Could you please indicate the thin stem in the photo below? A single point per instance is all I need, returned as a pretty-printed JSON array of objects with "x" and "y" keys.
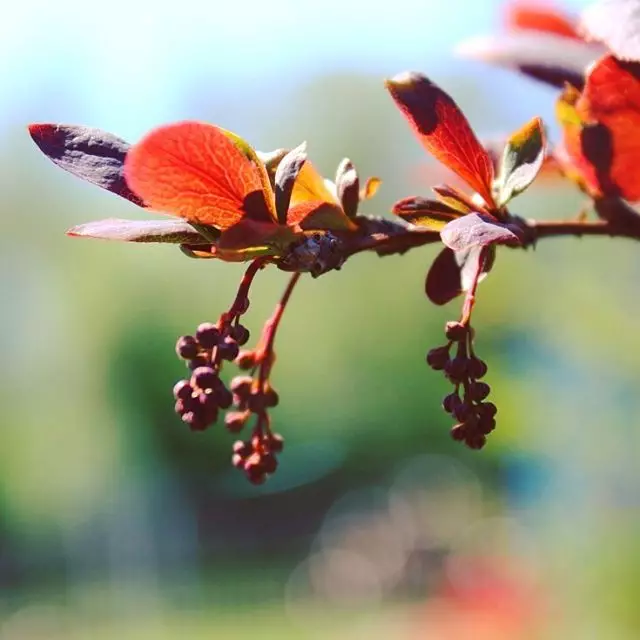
[
  {"x": 245, "y": 285},
  {"x": 270, "y": 330}
]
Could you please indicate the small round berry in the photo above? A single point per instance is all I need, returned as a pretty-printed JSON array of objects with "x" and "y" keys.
[
  {"x": 187, "y": 347},
  {"x": 246, "y": 360},
  {"x": 242, "y": 448},
  {"x": 182, "y": 390},
  {"x": 198, "y": 361},
  {"x": 476, "y": 368},
  {"x": 269, "y": 463},
  {"x": 237, "y": 461},
  {"x": 208, "y": 335},
  {"x": 241, "y": 386},
  {"x": 486, "y": 425},
  {"x": 456, "y": 369},
  {"x": 479, "y": 390},
  {"x": 235, "y": 420},
  {"x": 463, "y": 411},
  {"x": 204, "y": 378},
  {"x": 255, "y": 473},
  {"x": 228, "y": 349},
  {"x": 179, "y": 408},
  {"x": 256, "y": 402},
  {"x": 450, "y": 402},
  {"x": 438, "y": 358},
  {"x": 455, "y": 331},
  {"x": 195, "y": 421},
  {"x": 208, "y": 406},
  {"x": 475, "y": 441},
  {"x": 275, "y": 443},
  {"x": 487, "y": 409},
  {"x": 459, "y": 432},
  {"x": 224, "y": 397},
  {"x": 240, "y": 334},
  {"x": 271, "y": 397}
]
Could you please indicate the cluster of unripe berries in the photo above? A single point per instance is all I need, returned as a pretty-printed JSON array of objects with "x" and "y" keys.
[
  {"x": 475, "y": 418},
  {"x": 199, "y": 399}
]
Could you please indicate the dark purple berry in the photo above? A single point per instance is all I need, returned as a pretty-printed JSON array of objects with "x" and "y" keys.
[
  {"x": 269, "y": 463},
  {"x": 476, "y": 368},
  {"x": 195, "y": 420},
  {"x": 208, "y": 335},
  {"x": 487, "y": 409},
  {"x": 240, "y": 334},
  {"x": 276, "y": 443},
  {"x": 228, "y": 349},
  {"x": 450, "y": 402},
  {"x": 199, "y": 361},
  {"x": 459, "y": 432},
  {"x": 187, "y": 347},
  {"x": 462, "y": 411},
  {"x": 204, "y": 378},
  {"x": 479, "y": 390},
  {"x": 182, "y": 390},
  {"x": 208, "y": 407},
  {"x": 224, "y": 397},
  {"x": 438, "y": 358},
  {"x": 455, "y": 331},
  {"x": 475, "y": 441},
  {"x": 456, "y": 369}
]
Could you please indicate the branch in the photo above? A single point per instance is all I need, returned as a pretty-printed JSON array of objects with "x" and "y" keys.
[{"x": 555, "y": 229}]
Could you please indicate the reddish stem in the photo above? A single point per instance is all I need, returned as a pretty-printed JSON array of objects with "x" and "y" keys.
[
  {"x": 270, "y": 329},
  {"x": 245, "y": 285}
]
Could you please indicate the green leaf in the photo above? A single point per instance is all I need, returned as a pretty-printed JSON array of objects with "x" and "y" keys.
[{"x": 522, "y": 159}]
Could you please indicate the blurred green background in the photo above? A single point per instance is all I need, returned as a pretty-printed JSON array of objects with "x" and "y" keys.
[{"x": 116, "y": 522}]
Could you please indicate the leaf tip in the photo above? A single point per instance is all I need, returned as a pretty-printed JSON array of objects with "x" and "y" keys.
[
  {"x": 40, "y": 131},
  {"x": 404, "y": 81}
]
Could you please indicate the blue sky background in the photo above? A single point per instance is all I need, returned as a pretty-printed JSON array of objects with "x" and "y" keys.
[{"x": 126, "y": 65}]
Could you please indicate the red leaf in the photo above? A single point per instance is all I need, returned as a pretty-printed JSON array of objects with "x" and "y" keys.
[
  {"x": 195, "y": 171},
  {"x": 443, "y": 130},
  {"x": 320, "y": 215},
  {"x": 604, "y": 141},
  {"x": 475, "y": 230},
  {"x": 530, "y": 15}
]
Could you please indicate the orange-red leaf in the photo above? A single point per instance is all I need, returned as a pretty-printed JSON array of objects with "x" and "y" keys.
[
  {"x": 443, "y": 130},
  {"x": 195, "y": 171},
  {"x": 319, "y": 215},
  {"x": 602, "y": 133},
  {"x": 530, "y": 15}
]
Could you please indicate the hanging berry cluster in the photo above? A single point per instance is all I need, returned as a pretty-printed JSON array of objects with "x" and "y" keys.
[{"x": 233, "y": 203}]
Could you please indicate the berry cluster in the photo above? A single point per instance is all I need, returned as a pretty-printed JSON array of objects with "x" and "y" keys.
[
  {"x": 475, "y": 417},
  {"x": 199, "y": 399}
]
